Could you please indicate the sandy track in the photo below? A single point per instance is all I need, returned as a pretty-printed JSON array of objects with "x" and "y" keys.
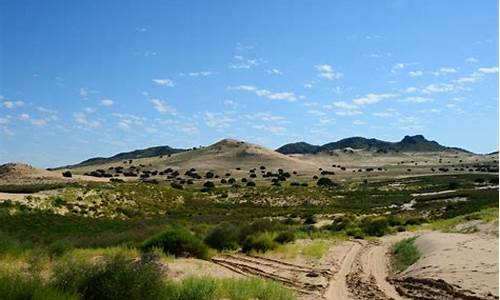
[{"x": 303, "y": 279}]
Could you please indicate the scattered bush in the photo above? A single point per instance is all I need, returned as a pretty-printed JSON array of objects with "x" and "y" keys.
[
  {"x": 285, "y": 237},
  {"x": 376, "y": 226},
  {"x": 177, "y": 241},
  {"x": 225, "y": 236},
  {"x": 67, "y": 174},
  {"x": 324, "y": 181},
  {"x": 260, "y": 243}
]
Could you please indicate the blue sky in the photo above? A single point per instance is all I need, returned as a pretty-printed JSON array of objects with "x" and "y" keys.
[{"x": 92, "y": 78}]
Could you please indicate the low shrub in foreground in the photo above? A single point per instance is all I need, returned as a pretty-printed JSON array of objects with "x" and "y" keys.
[
  {"x": 376, "y": 226},
  {"x": 205, "y": 288},
  {"x": 179, "y": 242},
  {"x": 116, "y": 277},
  {"x": 18, "y": 287},
  {"x": 405, "y": 253}
]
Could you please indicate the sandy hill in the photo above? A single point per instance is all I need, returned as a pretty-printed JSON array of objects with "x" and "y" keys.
[
  {"x": 17, "y": 173},
  {"x": 225, "y": 155}
]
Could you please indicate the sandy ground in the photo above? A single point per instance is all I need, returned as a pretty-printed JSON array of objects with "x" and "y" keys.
[
  {"x": 181, "y": 268},
  {"x": 469, "y": 261}
]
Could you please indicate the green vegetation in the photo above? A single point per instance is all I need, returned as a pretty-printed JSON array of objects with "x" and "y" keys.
[
  {"x": 16, "y": 286},
  {"x": 177, "y": 241},
  {"x": 405, "y": 253}
]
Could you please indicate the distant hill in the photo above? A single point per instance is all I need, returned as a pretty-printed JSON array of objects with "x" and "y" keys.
[
  {"x": 297, "y": 148},
  {"x": 416, "y": 143},
  {"x": 141, "y": 153}
]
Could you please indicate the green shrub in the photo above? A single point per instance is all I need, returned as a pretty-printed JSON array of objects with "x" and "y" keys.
[
  {"x": 117, "y": 277},
  {"x": 67, "y": 174},
  {"x": 260, "y": 243},
  {"x": 310, "y": 219},
  {"x": 17, "y": 287},
  {"x": 285, "y": 237},
  {"x": 177, "y": 241},
  {"x": 260, "y": 226},
  {"x": 203, "y": 288},
  {"x": 405, "y": 253},
  {"x": 339, "y": 223},
  {"x": 355, "y": 232},
  {"x": 224, "y": 236},
  {"x": 58, "y": 248},
  {"x": 324, "y": 181},
  {"x": 376, "y": 226}
]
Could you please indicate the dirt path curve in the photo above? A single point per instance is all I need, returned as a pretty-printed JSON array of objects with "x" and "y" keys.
[
  {"x": 337, "y": 289},
  {"x": 363, "y": 273}
]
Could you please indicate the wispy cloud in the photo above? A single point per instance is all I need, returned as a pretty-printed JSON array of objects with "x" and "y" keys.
[
  {"x": 471, "y": 60},
  {"x": 12, "y": 104},
  {"x": 326, "y": 71},
  {"x": 372, "y": 98},
  {"x": 417, "y": 99},
  {"x": 218, "y": 120},
  {"x": 83, "y": 122},
  {"x": 245, "y": 63},
  {"x": 274, "y": 72},
  {"x": 163, "y": 82},
  {"x": 162, "y": 107},
  {"x": 417, "y": 73},
  {"x": 288, "y": 96},
  {"x": 107, "y": 102}
]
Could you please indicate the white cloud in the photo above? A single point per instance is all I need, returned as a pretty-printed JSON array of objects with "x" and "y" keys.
[
  {"x": 218, "y": 120},
  {"x": 358, "y": 122},
  {"x": 417, "y": 99},
  {"x": 344, "y": 105},
  {"x": 163, "y": 82},
  {"x": 444, "y": 71},
  {"x": 416, "y": 73},
  {"x": 438, "y": 88},
  {"x": 266, "y": 117},
  {"x": 327, "y": 72},
  {"x": 471, "y": 60},
  {"x": 315, "y": 112},
  {"x": 201, "y": 74},
  {"x": 289, "y": 96},
  {"x": 372, "y": 98},
  {"x": 107, "y": 102},
  {"x": 490, "y": 70},
  {"x": 81, "y": 119},
  {"x": 85, "y": 92},
  {"x": 348, "y": 112},
  {"x": 274, "y": 72},
  {"x": 400, "y": 66},
  {"x": 162, "y": 107},
  {"x": 4, "y": 121},
  {"x": 410, "y": 89},
  {"x": 243, "y": 63},
  {"x": 383, "y": 114},
  {"x": 123, "y": 125},
  {"x": 12, "y": 104},
  {"x": 24, "y": 117},
  {"x": 141, "y": 29},
  {"x": 276, "y": 130},
  {"x": 46, "y": 110},
  {"x": 38, "y": 122}
]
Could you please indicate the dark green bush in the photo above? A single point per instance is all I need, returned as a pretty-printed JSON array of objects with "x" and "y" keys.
[
  {"x": 67, "y": 174},
  {"x": 179, "y": 242},
  {"x": 117, "y": 277},
  {"x": 324, "y": 181},
  {"x": 224, "y": 236},
  {"x": 310, "y": 219},
  {"x": 376, "y": 226},
  {"x": 260, "y": 243},
  {"x": 285, "y": 237},
  {"x": 58, "y": 248}
]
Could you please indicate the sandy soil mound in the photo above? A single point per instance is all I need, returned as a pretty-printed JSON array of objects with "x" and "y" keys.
[
  {"x": 19, "y": 170},
  {"x": 467, "y": 262}
]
